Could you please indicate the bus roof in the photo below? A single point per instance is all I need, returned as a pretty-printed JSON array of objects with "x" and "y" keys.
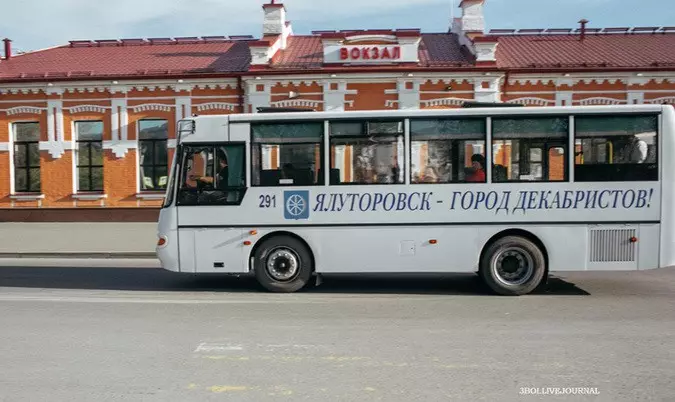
[{"x": 416, "y": 113}]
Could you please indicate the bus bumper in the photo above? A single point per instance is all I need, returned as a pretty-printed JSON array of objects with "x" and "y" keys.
[{"x": 167, "y": 251}]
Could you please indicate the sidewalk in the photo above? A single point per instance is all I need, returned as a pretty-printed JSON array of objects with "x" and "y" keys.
[{"x": 78, "y": 240}]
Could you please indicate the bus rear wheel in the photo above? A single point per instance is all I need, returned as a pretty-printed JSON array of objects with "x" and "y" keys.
[
  {"x": 283, "y": 264},
  {"x": 513, "y": 266}
]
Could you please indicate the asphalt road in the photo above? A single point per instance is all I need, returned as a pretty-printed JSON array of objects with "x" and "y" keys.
[{"x": 85, "y": 331}]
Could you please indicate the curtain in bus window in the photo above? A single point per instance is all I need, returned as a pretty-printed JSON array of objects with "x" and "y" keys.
[
  {"x": 235, "y": 161},
  {"x": 444, "y": 150}
]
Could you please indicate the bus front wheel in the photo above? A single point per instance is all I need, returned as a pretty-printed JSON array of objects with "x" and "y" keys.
[
  {"x": 513, "y": 266},
  {"x": 283, "y": 264}
]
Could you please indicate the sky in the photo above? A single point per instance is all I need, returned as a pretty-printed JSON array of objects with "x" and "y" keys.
[{"x": 38, "y": 24}]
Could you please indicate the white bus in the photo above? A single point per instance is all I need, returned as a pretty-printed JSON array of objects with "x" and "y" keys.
[{"x": 509, "y": 193}]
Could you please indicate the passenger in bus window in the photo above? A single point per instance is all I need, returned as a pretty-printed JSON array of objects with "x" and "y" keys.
[
  {"x": 639, "y": 150},
  {"x": 430, "y": 175},
  {"x": 222, "y": 175},
  {"x": 477, "y": 171}
]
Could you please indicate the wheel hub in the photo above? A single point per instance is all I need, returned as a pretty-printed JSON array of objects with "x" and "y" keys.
[
  {"x": 282, "y": 264},
  {"x": 513, "y": 266}
]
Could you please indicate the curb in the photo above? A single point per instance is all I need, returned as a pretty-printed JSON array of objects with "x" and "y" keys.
[{"x": 98, "y": 256}]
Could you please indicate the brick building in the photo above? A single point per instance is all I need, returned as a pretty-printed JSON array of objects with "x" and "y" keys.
[{"x": 90, "y": 126}]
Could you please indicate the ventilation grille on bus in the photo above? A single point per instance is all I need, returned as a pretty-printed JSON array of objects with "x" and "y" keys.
[{"x": 612, "y": 245}]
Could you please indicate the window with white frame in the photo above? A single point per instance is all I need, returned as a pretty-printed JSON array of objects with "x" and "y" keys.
[
  {"x": 26, "y": 157},
  {"x": 89, "y": 156},
  {"x": 153, "y": 157}
]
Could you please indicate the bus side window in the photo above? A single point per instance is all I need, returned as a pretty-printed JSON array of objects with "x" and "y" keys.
[
  {"x": 286, "y": 154},
  {"x": 366, "y": 152},
  {"x": 616, "y": 148},
  {"x": 530, "y": 149},
  {"x": 448, "y": 150}
]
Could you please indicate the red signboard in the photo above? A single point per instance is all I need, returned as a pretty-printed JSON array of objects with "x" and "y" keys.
[{"x": 370, "y": 53}]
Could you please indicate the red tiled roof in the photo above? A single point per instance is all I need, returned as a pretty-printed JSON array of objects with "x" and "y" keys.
[
  {"x": 302, "y": 52},
  {"x": 596, "y": 50},
  {"x": 110, "y": 60},
  {"x": 210, "y": 55},
  {"x": 441, "y": 50},
  {"x": 436, "y": 50}
]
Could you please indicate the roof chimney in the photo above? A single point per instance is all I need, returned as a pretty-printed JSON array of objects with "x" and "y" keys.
[
  {"x": 275, "y": 18},
  {"x": 8, "y": 48},
  {"x": 583, "y": 23},
  {"x": 472, "y": 21}
]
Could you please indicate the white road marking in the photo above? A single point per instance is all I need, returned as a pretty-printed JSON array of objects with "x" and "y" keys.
[{"x": 217, "y": 347}]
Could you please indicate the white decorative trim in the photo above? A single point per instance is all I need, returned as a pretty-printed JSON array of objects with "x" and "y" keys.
[
  {"x": 91, "y": 197},
  {"x": 453, "y": 92},
  {"x": 600, "y": 101},
  {"x": 151, "y": 87},
  {"x": 391, "y": 91},
  {"x": 4, "y": 146},
  {"x": 24, "y": 91},
  {"x": 532, "y": 101},
  {"x": 171, "y": 143},
  {"x": 85, "y": 89},
  {"x": 350, "y": 103},
  {"x": 216, "y": 106},
  {"x": 587, "y": 78},
  {"x": 56, "y": 148},
  {"x": 160, "y": 107},
  {"x": 667, "y": 99},
  {"x": 537, "y": 81},
  {"x": 24, "y": 110},
  {"x": 212, "y": 86},
  {"x": 390, "y": 103},
  {"x": 486, "y": 51},
  {"x": 297, "y": 102},
  {"x": 87, "y": 108},
  {"x": 120, "y": 148},
  {"x": 151, "y": 196},
  {"x": 27, "y": 197},
  {"x": 444, "y": 102}
]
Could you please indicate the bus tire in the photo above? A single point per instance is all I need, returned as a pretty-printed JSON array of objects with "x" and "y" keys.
[
  {"x": 283, "y": 264},
  {"x": 513, "y": 266}
]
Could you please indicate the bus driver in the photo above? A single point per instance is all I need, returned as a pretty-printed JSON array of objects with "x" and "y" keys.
[{"x": 221, "y": 177}]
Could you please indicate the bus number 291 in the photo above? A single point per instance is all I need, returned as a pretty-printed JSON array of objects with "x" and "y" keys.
[{"x": 268, "y": 201}]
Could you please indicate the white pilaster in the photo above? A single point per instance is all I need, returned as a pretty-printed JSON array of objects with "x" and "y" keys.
[
  {"x": 55, "y": 143},
  {"x": 183, "y": 107},
  {"x": 120, "y": 143},
  {"x": 635, "y": 97},
  {"x": 563, "y": 98},
  {"x": 408, "y": 98},
  {"x": 490, "y": 94},
  {"x": 334, "y": 99},
  {"x": 258, "y": 99}
]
